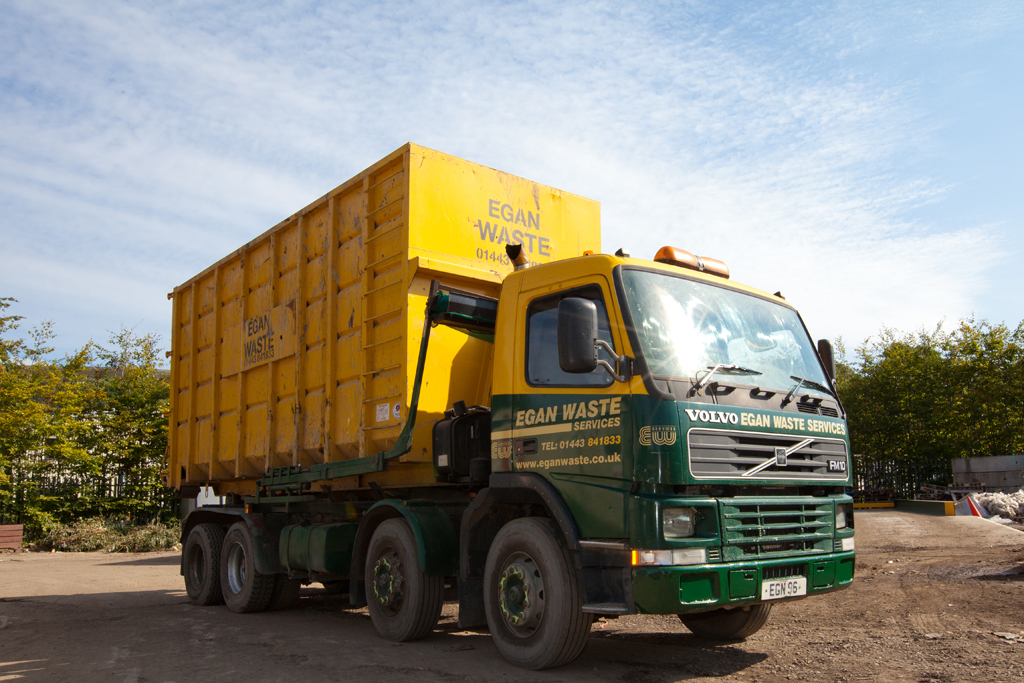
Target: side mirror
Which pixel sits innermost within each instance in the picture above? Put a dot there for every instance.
(828, 359)
(577, 331)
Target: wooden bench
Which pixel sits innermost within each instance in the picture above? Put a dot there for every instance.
(10, 536)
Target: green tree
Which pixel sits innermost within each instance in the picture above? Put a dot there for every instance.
(892, 392)
(916, 402)
(984, 389)
(134, 400)
(83, 435)
(41, 419)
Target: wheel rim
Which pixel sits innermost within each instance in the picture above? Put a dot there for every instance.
(197, 565)
(389, 581)
(521, 595)
(236, 568)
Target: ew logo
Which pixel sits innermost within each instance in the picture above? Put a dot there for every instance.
(501, 450)
(660, 435)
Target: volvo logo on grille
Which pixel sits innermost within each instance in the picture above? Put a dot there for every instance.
(780, 459)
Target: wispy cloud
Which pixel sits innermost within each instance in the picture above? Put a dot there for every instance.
(139, 143)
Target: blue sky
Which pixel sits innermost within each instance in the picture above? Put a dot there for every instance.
(863, 157)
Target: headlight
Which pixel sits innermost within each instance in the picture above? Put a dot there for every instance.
(844, 516)
(678, 522)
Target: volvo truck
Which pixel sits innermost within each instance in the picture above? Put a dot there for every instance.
(432, 384)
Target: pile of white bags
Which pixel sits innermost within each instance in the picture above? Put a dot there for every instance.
(1009, 505)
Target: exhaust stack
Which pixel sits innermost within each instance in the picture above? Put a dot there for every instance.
(517, 256)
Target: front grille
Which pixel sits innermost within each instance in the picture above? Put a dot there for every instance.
(784, 547)
(756, 528)
(784, 571)
(727, 454)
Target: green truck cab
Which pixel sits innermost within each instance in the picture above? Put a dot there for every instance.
(700, 451)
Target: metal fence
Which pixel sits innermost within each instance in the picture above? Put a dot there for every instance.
(95, 493)
(114, 486)
(880, 479)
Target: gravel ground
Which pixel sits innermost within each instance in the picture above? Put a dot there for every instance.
(935, 599)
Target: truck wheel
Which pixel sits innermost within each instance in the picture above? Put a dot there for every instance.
(728, 624)
(404, 603)
(531, 596)
(285, 593)
(245, 589)
(201, 563)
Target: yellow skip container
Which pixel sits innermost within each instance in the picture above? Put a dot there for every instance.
(300, 348)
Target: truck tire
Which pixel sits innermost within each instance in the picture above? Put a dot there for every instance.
(531, 597)
(245, 589)
(404, 603)
(201, 562)
(728, 624)
(285, 593)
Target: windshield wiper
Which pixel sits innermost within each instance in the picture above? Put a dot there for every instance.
(726, 368)
(800, 381)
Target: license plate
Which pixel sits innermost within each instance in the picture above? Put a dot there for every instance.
(783, 588)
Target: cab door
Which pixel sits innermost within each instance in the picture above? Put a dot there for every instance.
(571, 428)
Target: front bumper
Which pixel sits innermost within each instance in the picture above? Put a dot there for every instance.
(700, 588)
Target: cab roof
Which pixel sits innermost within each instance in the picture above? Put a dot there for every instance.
(552, 273)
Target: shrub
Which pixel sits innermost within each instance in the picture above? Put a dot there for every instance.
(114, 536)
(142, 539)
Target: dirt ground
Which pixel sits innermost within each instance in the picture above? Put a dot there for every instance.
(935, 599)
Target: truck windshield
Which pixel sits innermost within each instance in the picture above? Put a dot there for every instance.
(686, 327)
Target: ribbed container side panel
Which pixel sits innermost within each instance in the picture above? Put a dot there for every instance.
(300, 347)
